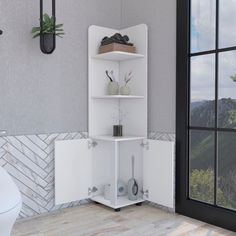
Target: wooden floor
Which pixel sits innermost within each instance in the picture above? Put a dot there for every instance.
(96, 220)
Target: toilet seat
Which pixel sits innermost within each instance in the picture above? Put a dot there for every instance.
(9, 196)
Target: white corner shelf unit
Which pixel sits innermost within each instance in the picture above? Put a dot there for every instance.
(83, 167)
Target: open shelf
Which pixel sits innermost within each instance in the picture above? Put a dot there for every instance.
(118, 139)
(121, 201)
(118, 97)
(118, 56)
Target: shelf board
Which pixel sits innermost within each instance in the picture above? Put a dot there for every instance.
(117, 139)
(118, 97)
(118, 56)
(121, 201)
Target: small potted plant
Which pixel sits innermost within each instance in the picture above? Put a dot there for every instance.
(125, 90)
(47, 32)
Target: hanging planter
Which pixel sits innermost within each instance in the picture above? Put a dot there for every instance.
(48, 30)
(47, 43)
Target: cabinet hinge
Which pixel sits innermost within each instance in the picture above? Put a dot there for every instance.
(92, 190)
(92, 144)
(145, 145)
(145, 193)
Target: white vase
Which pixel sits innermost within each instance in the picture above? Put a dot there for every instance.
(113, 88)
(125, 90)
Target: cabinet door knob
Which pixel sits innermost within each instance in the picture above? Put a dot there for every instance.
(1, 32)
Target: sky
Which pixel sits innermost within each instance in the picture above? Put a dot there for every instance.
(203, 18)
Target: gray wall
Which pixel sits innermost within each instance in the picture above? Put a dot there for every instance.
(48, 94)
(160, 16)
(41, 93)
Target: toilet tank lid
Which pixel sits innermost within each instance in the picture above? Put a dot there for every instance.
(9, 193)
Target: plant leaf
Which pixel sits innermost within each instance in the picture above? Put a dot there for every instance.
(48, 27)
(46, 18)
(59, 25)
(35, 29)
(60, 34)
(36, 35)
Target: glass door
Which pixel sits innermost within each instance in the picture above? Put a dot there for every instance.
(206, 111)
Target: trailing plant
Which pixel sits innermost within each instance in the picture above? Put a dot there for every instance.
(48, 27)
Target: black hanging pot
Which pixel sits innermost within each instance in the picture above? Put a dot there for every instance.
(47, 43)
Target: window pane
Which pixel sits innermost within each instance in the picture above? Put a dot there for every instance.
(201, 182)
(227, 23)
(203, 91)
(227, 90)
(226, 191)
(203, 15)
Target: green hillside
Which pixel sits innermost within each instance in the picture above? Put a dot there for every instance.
(202, 153)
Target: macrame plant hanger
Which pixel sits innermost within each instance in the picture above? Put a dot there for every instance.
(47, 41)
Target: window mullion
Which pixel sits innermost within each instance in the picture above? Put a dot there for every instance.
(216, 101)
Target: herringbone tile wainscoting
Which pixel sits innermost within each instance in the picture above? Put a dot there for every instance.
(29, 159)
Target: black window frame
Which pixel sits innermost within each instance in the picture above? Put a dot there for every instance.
(212, 214)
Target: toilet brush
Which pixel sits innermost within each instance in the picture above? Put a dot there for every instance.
(133, 188)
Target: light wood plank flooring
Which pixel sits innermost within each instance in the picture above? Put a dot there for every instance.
(96, 220)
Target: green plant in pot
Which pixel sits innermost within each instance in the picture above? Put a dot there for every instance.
(47, 31)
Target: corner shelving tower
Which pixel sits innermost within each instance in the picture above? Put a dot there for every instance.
(84, 168)
(105, 110)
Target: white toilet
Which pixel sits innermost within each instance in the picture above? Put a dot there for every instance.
(10, 203)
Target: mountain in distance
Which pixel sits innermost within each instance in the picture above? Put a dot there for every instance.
(202, 142)
(202, 146)
(203, 113)
(197, 104)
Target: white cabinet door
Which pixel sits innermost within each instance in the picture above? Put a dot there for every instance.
(159, 172)
(72, 170)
